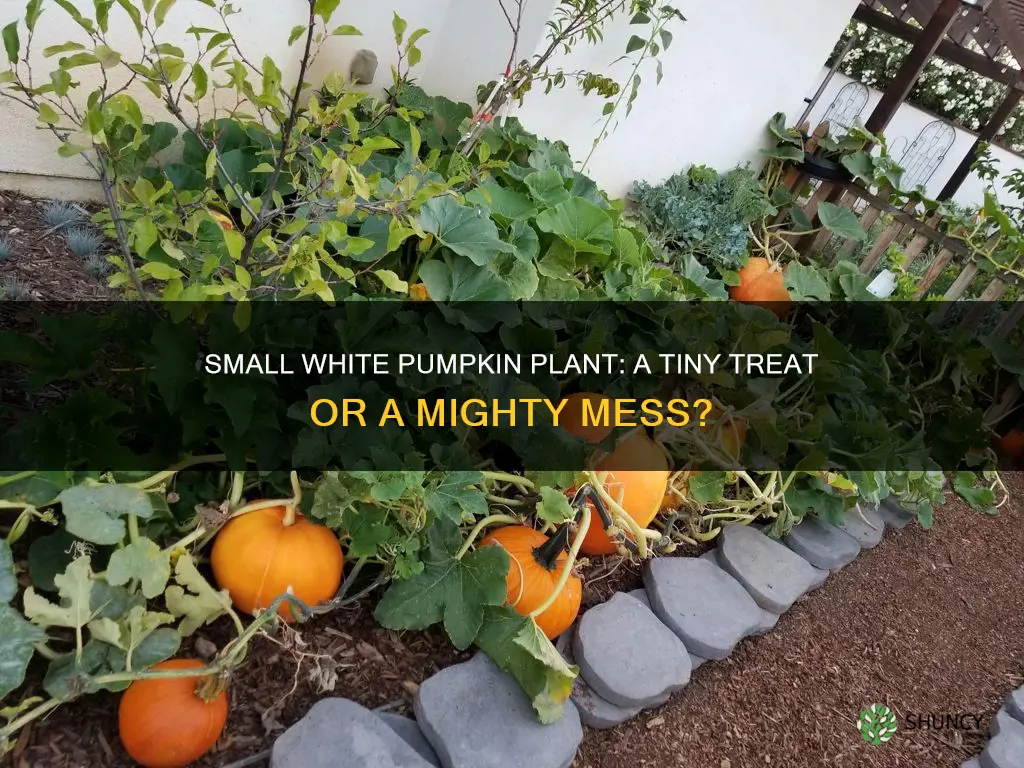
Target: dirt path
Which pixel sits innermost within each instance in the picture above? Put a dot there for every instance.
(927, 623)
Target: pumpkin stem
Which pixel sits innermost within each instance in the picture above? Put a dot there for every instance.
(570, 563)
(210, 687)
(547, 554)
(289, 509)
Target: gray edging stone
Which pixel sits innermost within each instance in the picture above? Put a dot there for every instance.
(820, 577)
(1006, 748)
(595, 711)
(822, 545)
(338, 733)
(476, 716)
(774, 575)
(1014, 704)
(766, 623)
(706, 607)
(894, 515)
(605, 646)
(411, 734)
(864, 524)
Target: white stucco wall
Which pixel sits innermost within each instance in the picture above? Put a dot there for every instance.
(905, 127)
(730, 67)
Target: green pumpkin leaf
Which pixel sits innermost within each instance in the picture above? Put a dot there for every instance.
(8, 576)
(525, 241)
(503, 202)
(459, 280)
(95, 513)
(448, 590)
(547, 187)
(516, 644)
(804, 283)
(841, 222)
(554, 507)
(18, 639)
(581, 224)
(467, 231)
(706, 487)
(142, 560)
(457, 497)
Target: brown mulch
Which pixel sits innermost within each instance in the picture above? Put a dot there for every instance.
(42, 260)
(929, 622)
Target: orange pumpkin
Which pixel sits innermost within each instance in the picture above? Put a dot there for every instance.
(1011, 444)
(571, 417)
(536, 563)
(164, 723)
(265, 553)
(638, 473)
(729, 435)
(761, 283)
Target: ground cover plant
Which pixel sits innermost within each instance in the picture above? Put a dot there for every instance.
(337, 196)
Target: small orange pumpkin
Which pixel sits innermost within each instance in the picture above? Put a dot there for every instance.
(761, 283)
(729, 435)
(536, 563)
(267, 552)
(638, 470)
(571, 418)
(164, 723)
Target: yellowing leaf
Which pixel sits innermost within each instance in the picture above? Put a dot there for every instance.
(193, 598)
(75, 589)
(392, 281)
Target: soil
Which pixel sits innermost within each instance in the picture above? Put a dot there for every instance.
(42, 260)
(929, 622)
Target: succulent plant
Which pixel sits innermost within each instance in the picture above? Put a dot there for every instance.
(97, 265)
(6, 248)
(14, 289)
(83, 241)
(59, 216)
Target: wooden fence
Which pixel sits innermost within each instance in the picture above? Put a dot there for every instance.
(918, 239)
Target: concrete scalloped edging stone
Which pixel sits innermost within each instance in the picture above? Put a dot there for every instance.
(1006, 747)
(756, 577)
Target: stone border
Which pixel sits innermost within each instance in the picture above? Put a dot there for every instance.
(694, 610)
(1006, 747)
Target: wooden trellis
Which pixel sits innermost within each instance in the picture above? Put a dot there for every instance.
(919, 239)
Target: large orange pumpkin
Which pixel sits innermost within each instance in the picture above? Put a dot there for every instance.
(571, 417)
(164, 723)
(761, 283)
(265, 553)
(638, 471)
(535, 566)
(1011, 444)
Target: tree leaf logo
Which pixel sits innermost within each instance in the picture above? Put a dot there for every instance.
(877, 724)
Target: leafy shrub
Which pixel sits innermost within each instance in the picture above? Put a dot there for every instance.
(59, 216)
(704, 212)
(83, 242)
(6, 248)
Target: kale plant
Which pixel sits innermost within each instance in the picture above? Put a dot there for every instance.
(704, 213)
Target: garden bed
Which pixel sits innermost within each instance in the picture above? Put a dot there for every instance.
(42, 261)
(929, 622)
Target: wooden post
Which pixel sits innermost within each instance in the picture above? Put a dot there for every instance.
(910, 70)
(940, 262)
(987, 133)
(992, 293)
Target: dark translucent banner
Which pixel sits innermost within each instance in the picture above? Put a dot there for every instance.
(421, 385)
